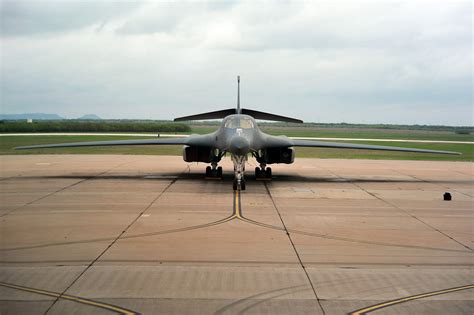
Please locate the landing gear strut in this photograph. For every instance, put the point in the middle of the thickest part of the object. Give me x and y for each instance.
(263, 172)
(239, 171)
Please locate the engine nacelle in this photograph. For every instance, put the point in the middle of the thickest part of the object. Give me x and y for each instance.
(277, 155)
(197, 154)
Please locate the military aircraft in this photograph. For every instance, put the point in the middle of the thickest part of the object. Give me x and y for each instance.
(240, 137)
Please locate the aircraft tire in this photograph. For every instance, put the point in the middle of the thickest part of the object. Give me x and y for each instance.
(268, 172)
(257, 172)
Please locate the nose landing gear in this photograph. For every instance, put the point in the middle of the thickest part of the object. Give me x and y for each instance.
(239, 171)
(239, 185)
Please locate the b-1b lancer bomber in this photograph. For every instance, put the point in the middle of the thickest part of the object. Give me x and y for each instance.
(240, 137)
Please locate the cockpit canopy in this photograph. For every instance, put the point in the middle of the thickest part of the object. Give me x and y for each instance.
(241, 122)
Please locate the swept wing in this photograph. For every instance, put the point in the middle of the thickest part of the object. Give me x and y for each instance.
(337, 145)
(171, 141)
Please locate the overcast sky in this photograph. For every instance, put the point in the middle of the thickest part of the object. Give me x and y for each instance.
(407, 62)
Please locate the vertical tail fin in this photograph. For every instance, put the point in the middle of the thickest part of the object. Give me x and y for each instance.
(238, 94)
(226, 112)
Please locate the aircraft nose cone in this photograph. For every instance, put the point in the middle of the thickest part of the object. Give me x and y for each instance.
(239, 145)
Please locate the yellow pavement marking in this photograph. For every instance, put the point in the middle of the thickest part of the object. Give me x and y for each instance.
(109, 307)
(237, 213)
(408, 298)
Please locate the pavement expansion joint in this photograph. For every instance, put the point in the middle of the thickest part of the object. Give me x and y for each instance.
(88, 251)
(77, 299)
(109, 246)
(63, 189)
(295, 250)
(237, 214)
(412, 215)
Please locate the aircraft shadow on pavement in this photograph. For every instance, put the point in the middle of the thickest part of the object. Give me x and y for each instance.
(228, 177)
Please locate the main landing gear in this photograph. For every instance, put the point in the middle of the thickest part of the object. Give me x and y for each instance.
(214, 171)
(263, 172)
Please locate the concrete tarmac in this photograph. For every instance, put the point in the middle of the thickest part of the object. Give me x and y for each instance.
(104, 234)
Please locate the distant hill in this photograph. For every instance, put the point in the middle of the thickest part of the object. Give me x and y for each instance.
(42, 116)
(90, 117)
(34, 116)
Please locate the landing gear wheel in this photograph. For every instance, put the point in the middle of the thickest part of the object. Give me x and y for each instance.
(268, 172)
(258, 172)
(208, 171)
(219, 172)
(238, 186)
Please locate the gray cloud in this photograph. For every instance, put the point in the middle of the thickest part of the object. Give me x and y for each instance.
(164, 17)
(391, 62)
(30, 17)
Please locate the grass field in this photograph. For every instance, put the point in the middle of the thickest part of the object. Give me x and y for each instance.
(7, 144)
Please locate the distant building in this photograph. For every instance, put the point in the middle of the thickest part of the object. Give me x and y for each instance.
(29, 120)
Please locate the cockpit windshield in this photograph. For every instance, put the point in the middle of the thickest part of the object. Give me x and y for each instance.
(241, 122)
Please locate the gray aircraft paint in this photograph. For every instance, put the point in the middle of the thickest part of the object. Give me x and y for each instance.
(237, 141)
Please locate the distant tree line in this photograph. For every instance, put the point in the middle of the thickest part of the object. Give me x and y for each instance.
(166, 126)
(456, 129)
(91, 126)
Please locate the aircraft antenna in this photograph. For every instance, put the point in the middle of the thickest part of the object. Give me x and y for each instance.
(238, 94)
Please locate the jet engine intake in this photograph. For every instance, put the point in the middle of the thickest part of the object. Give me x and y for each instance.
(277, 155)
(198, 154)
